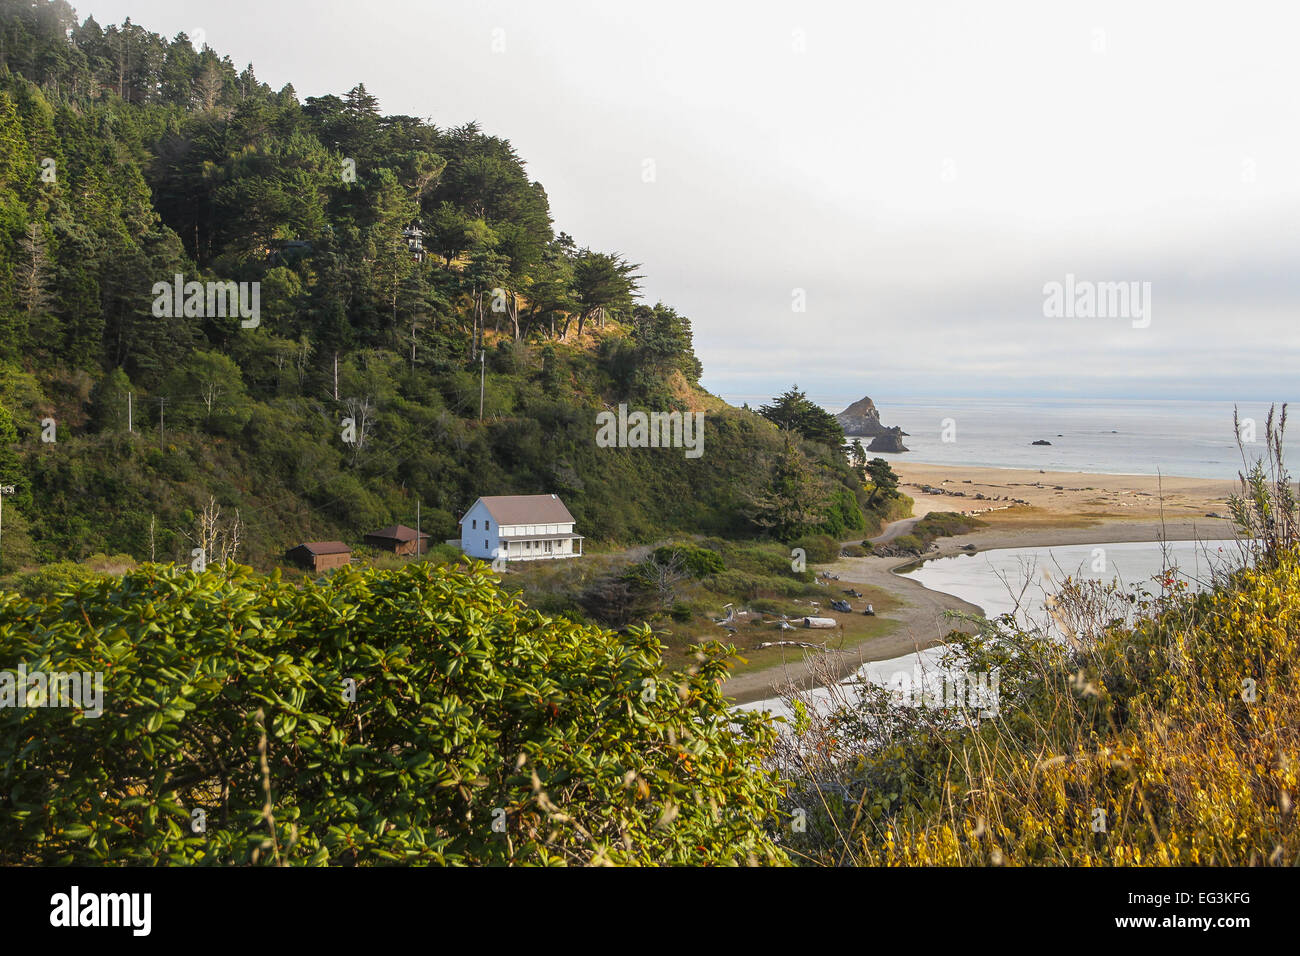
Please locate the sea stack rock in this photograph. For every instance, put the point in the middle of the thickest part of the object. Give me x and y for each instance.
(1041, 441)
(862, 420)
(890, 441)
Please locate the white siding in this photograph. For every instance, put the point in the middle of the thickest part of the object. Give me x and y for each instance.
(479, 534)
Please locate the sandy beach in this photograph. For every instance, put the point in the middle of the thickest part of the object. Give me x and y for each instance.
(1022, 508)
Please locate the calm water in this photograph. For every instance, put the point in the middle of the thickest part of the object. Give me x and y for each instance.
(1187, 439)
(995, 580)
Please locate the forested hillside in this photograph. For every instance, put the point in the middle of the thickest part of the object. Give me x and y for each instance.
(388, 253)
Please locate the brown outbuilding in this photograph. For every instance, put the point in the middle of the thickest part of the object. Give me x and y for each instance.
(398, 539)
(320, 556)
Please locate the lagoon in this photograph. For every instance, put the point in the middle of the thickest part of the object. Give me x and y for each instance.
(1020, 580)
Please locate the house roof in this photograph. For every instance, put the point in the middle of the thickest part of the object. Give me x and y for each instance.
(325, 547)
(526, 509)
(396, 532)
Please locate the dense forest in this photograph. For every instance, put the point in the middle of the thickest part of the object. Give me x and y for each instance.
(395, 261)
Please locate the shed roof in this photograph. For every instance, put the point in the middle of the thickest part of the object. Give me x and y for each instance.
(396, 532)
(325, 547)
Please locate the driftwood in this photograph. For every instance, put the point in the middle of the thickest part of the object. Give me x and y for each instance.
(820, 622)
(820, 647)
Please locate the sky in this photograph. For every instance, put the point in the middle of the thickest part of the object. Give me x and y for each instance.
(874, 198)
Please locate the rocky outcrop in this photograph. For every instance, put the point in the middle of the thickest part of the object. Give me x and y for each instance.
(862, 420)
(890, 441)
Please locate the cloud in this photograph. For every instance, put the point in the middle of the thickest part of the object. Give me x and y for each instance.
(918, 170)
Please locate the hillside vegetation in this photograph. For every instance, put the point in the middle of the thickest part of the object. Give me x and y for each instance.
(396, 262)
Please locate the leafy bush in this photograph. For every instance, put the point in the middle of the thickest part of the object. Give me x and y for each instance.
(747, 586)
(909, 542)
(944, 524)
(46, 581)
(481, 731)
(820, 548)
(698, 562)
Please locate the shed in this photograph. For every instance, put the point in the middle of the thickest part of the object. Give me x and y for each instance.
(320, 555)
(399, 539)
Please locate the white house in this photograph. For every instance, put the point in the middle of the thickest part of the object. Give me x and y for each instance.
(519, 528)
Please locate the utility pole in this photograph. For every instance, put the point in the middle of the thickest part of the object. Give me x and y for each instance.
(128, 413)
(162, 428)
(482, 371)
(336, 376)
(4, 490)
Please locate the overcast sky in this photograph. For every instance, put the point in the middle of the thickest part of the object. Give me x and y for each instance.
(920, 171)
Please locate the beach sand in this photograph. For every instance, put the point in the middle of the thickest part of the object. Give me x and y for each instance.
(1062, 508)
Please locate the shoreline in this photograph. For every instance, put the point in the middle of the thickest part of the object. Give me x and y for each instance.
(1062, 508)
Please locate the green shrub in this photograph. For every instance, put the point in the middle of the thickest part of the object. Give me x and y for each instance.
(698, 562)
(740, 584)
(469, 709)
(45, 582)
(944, 524)
(909, 542)
(820, 548)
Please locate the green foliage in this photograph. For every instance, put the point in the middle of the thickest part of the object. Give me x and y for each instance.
(883, 481)
(388, 252)
(50, 579)
(225, 691)
(698, 562)
(793, 411)
(791, 503)
(945, 524)
(819, 548)
(1265, 511)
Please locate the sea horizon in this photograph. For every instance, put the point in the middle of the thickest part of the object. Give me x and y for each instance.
(1177, 438)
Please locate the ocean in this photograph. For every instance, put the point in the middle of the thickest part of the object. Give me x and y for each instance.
(1105, 436)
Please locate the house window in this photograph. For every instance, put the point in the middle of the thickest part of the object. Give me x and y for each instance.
(487, 525)
(485, 543)
(548, 547)
(474, 524)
